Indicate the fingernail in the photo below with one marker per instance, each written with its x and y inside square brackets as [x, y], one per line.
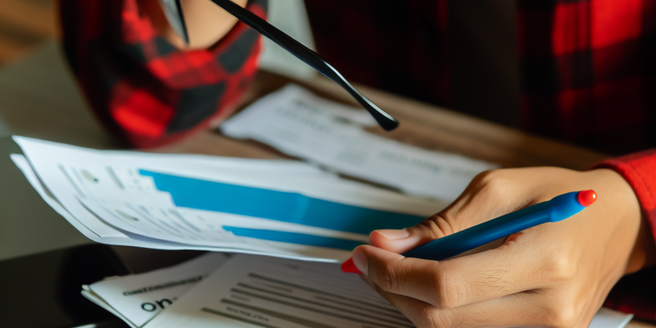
[349, 267]
[392, 234]
[360, 260]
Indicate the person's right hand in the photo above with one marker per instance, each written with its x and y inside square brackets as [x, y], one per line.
[554, 275]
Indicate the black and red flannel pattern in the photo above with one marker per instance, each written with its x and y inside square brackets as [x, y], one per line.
[146, 91]
[636, 293]
[390, 45]
[587, 66]
[588, 71]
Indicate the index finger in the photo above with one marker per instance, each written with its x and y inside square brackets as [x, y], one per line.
[456, 282]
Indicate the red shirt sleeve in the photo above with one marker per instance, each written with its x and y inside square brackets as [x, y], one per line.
[586, 74]
[636, 293]
[143, 89]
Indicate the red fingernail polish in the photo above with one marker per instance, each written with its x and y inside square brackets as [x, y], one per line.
[349, 266]
[587, 197]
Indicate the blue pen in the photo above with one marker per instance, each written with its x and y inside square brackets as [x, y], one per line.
[557, 209]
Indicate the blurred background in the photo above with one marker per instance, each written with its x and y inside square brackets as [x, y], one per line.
[24, 25]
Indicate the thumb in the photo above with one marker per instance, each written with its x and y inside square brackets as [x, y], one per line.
[400, 241]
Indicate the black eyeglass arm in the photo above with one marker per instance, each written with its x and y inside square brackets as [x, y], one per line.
[386, 121]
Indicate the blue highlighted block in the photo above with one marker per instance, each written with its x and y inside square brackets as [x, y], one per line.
[277, 205]
[295, 237]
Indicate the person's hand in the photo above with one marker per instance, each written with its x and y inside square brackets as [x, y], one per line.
[556, 274]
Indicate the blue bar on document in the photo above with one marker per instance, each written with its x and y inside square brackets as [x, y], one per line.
[295, 238]
[277, 205]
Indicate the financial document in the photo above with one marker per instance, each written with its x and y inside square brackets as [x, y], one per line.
[298, 123]
[138, 298]
[277, 208]
[250, 291]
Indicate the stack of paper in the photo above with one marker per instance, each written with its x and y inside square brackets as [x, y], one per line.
[245, 291]
[138, 298]
[253, 291]
[271, 207]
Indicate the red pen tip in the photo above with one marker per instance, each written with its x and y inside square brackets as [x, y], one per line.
[587, 197]
[349, 266]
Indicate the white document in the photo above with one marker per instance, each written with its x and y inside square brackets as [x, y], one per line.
[119, 239]
[300, 124]
[278, 208]
[250, 291]
[138, 298]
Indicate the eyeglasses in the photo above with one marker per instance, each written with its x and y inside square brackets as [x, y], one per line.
[173, 11]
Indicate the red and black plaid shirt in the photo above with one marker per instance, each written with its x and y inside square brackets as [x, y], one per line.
[636, 293]
[588, 71]
[142, 88]
[587, 66]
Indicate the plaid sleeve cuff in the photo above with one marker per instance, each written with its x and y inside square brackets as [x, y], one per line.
[636, 292]
[639, 170]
